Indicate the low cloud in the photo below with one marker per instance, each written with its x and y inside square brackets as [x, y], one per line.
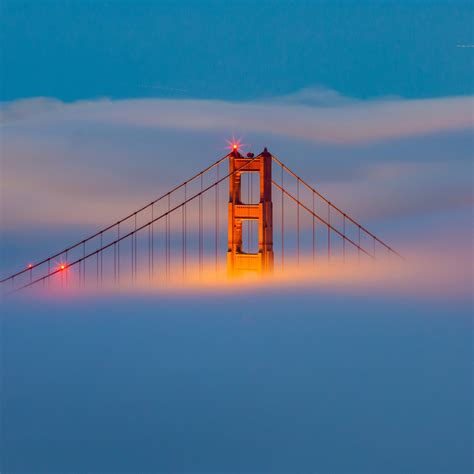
[91, 162]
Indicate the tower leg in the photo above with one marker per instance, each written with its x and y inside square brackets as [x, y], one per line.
[239, 262]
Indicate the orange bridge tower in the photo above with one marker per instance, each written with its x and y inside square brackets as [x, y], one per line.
[238, 261]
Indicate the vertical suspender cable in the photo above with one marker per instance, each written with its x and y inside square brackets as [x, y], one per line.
[358, 246]
[101, 258]
[200, 228]
[135, 248]
[152, 242]
[185, 226]
[344, 238]
[115, 265]
[169, 236]
[84, 264]
[298, 219]
[314, 243]
[66, 263]
[183, 217]
[282, 220]
[80, 274]
[216, 236]
[168, 243]
[118, 253]
[329, 231]
[132, 253]
[149, 253]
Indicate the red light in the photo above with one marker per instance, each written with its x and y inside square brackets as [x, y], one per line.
[234, 145]
[30, 265]
[62, 267]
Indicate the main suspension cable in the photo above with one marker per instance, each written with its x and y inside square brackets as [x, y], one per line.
[111, 226]
[131, 233]
[321, 219]
[334, 207]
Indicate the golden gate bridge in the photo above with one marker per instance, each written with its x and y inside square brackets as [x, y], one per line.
[272, 216]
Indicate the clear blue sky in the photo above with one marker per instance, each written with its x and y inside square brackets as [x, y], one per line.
[234, 50]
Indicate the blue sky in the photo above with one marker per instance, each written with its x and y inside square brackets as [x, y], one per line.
[107, 104]
[234, 50]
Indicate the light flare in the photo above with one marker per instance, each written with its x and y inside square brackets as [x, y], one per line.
[235, 144]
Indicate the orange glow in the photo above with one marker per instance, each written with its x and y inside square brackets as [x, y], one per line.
[62, 267]
[235, 146]
[423, 274]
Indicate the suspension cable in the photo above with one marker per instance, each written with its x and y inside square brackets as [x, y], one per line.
[321, 219]
[111, 226]
[333, 206]
[131, 233]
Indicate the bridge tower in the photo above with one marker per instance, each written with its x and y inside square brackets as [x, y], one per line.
[238, 261]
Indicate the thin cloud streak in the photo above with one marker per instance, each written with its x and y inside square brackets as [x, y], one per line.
[337, 121]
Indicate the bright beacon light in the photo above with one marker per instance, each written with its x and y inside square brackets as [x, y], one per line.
[62, 266]
[234, 144]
